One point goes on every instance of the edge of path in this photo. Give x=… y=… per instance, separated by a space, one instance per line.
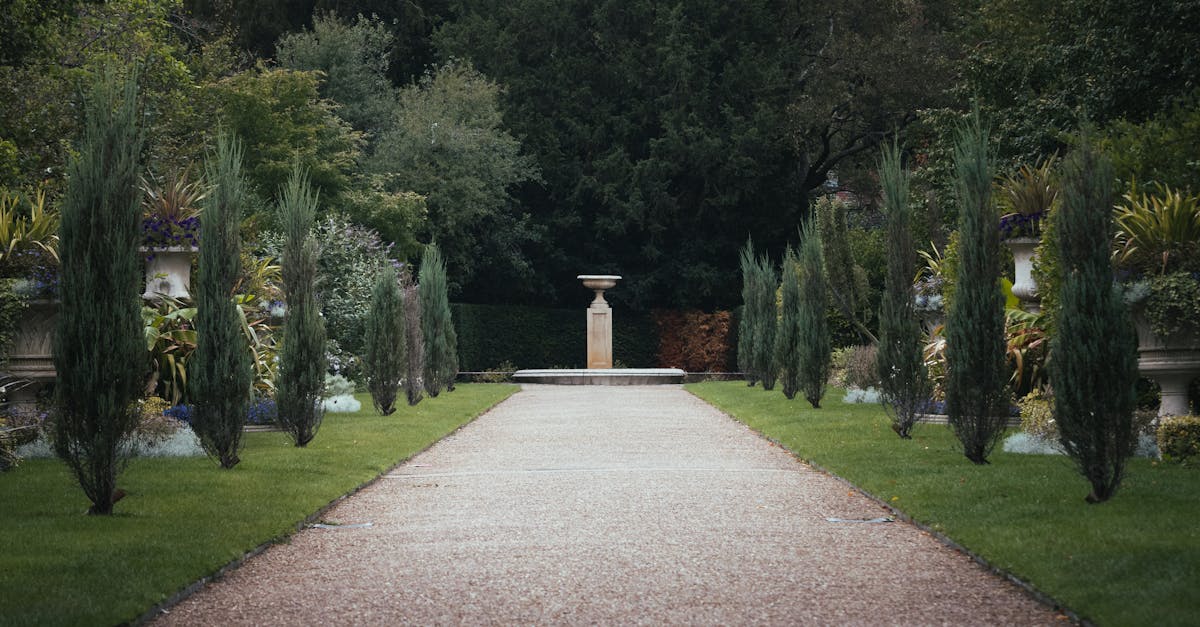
x=1028 y=588
x=194 y=587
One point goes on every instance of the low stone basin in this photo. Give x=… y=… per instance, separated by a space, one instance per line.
x=601 y=376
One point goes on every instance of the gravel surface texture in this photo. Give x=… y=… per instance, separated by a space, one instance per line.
x=609 y=505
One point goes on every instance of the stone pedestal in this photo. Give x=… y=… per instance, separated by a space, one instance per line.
x=599 y=321
x=30 y=359
x=1171 y=361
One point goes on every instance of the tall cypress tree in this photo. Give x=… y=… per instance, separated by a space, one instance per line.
x=766 y=314
x=747 y=321
x=414 y=390
x=975 y=368
x=386 y=359
x=813 y=321
x=302 y=359
x=219 y=372
x=98 y=349
x=904 y=381
x=787 y=335
x=437 y=326
x=1094 y=370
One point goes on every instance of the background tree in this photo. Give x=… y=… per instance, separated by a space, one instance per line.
x=99 y=353
x=219 y=371
x=447 y=143
x=766 y=312
x=437 y=327
x=975 y=368
x=413 y=337
x=904 y=382
x=788 y=335
x=746 y=321
x=386 y=348
x=812 y=319
x=302 y=359
x=1094 y=369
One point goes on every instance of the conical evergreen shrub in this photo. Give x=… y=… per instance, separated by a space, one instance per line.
x=414 y=389
x=746 y=321
x=816 y=352
x=99 y=353
x=302 y=358
x=387 y=357
x=219 y=372
x=787 y=335
x=766 y=319
x=904 y=381
x=1094 y=369
x=976 y=402
x=437 y=326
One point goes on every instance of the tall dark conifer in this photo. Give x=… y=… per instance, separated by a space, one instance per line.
x=904 y=381
x=975 y=370
x=414 y=389
x=219 y=372
x=1094 y=370
x=387 y=357
x=787 y=334
x=302 y=360
x=747 y=322
x=99 y=353
x=766 y=314
x=813 y=321
x=437 y=326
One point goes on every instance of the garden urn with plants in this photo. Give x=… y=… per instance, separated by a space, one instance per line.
x=170 y=234
x=1158 y=258
x=1026 y=199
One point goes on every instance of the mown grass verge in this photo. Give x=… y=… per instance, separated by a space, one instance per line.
x=184 y=519
x=1134 y=560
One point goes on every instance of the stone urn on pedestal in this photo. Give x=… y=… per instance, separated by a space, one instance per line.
x=30 y=357
x=1024 y=251
x=599 y=320
x=169 y=272
x=1171 y=361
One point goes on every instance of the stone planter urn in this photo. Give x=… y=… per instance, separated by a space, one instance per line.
x=30 y=358
x=168 y=272
x=599 y=320
x=1171 y=361
x=1024 y=249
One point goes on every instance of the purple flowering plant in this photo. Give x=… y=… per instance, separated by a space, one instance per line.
x=171 y=211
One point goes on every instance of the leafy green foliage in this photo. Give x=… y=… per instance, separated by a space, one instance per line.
x=302 y=359
x=1094 y=369
x=98 y=351
x=975 y=369
x=812 y=317
x=1174 y=304
x=904 y=380
x=353 y=59
x=220 y=370
x=1161 y=149
x=281 y=119
x=448 y=144
x=437 y=325
x=1159 y=232
x=1179 y=438
x=788 y=337
x=386 y=349
x=846 y=282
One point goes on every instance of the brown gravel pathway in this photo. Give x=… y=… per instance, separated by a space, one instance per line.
x=609 y=505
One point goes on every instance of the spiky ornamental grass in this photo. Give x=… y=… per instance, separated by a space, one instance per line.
x=437 y=326
x=904 y=382
x=747 y=321
x=816 y=353
x=99 y=353
x=414 y=390
x=787 y=334
x=1094 y=370
x=765 y=315
x=975 y=370
x=302 y=358
x=387 y=356
x=219 y=372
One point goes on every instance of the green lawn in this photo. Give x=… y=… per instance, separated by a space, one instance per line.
x=1132 y=561
x=184 y=519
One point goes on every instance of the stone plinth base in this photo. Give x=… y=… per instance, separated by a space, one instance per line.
x=597 y=376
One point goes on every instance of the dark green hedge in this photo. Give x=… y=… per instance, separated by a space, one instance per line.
x=533 y=337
